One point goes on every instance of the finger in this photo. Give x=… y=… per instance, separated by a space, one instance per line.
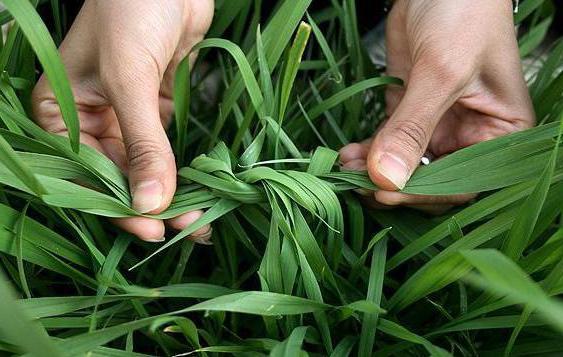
x=392 y=198
x=354 y=165
x=433 y=209
x=147 y=229
x=354 y=151
x=357 y=165
x=201 y=236
x=397 y=148
x=132 y=86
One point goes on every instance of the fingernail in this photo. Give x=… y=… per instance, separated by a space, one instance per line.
x=202 y=240
x=157 y=240
x=394 y=169
x=147 y=196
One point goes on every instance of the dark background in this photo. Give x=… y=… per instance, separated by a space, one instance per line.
x=368 y=13
x=559 y=17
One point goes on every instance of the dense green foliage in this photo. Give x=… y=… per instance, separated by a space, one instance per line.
x=298 y=262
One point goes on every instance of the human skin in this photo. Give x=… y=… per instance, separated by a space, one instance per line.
x=121 y=56
x=463 y=84
x=458 y=59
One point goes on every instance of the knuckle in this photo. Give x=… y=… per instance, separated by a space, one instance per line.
x=46 y=110
x=118 y=74
x=524 y=121
x=146 y=153
x=116 y=79
x=449 y=70
x=410 y=135
x=111 y=79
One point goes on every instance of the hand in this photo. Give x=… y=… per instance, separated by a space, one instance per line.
x=121 y=57
x=463 y=84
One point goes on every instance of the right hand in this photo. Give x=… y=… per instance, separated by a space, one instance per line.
x=464 y=84
x=121 y=57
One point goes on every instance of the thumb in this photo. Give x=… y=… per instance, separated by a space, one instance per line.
x=134 y=94
x=400 y=144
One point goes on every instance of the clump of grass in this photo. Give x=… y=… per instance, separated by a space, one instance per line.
x=298 y=263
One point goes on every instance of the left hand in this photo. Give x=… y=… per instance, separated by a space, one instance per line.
x=121 y=58
x=463 y=81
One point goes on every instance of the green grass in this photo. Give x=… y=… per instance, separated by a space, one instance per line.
x=299 y=264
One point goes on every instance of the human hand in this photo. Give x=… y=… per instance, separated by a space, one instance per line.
x=463 y=84
x=121 y=57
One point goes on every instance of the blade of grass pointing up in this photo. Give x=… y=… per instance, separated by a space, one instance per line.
x=503 y=277
x=221 y=208
x=523 y=227
x=276 y=36
x=526 y=8
x=246 y=71
x=375 y=287
x=336 y=75
x=19 y=230
x=21 y=331
x=292 y=345
x=347 y=93
x=10 y=159
x=46 y=51
x=108 y=271
x=548 y=284
x=292 y=66
x=182 y=107
x=265 y=78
